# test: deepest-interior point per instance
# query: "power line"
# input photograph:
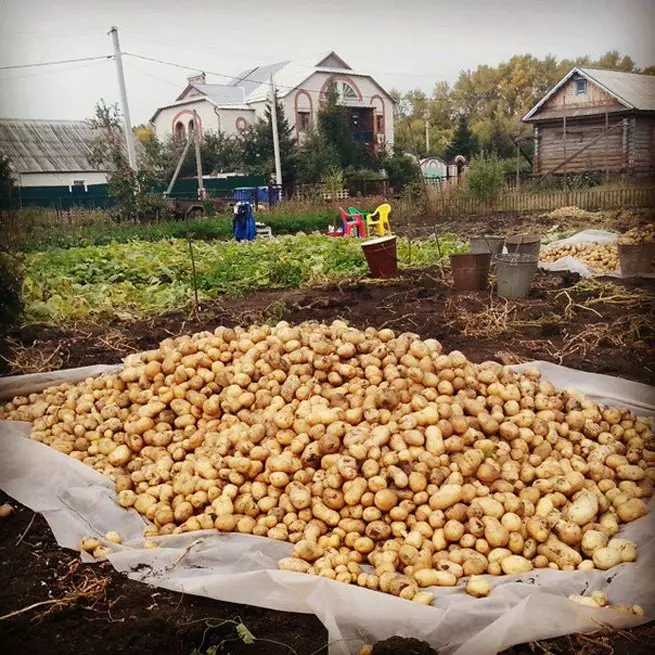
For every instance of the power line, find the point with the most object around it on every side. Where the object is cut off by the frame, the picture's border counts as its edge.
(73, 69)
(154, 77)
(54, 63)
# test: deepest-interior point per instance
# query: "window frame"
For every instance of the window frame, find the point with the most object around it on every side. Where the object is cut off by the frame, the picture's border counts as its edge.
(580, 86)
(303, 115)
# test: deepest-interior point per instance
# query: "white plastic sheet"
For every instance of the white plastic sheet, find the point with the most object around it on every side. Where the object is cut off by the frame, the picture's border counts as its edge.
(77, 501)
(575, 265)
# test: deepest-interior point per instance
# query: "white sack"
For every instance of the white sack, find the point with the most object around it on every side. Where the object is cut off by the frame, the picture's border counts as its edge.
(571, 263)
(78, 501)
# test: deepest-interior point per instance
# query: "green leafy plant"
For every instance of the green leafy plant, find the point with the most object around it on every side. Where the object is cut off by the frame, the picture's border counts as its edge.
(485, 178)
(139, 278)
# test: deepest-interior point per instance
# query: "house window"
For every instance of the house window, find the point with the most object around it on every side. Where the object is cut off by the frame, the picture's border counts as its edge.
(191, 128)
(348, 93)
(303, 120)
(580, 87)
(78, 185)
(180, 131)
(379, 123)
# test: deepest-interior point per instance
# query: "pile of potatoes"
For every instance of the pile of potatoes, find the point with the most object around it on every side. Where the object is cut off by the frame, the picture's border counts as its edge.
(385, 462)
(638, 235)
(601, 257)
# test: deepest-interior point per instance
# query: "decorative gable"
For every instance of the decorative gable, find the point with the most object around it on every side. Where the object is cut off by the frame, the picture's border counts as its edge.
(333, 61)
(579, 92)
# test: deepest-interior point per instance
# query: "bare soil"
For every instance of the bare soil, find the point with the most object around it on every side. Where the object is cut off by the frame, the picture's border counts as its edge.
(605, 328)
(601, 326)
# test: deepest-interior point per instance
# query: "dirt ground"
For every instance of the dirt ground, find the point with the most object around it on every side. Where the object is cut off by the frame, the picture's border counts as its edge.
(600, 326)
(545, 223)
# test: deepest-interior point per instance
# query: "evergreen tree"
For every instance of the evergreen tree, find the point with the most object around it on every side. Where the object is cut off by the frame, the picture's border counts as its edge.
(463, 141)
(257, 146)
(333, 124)
(317, 157)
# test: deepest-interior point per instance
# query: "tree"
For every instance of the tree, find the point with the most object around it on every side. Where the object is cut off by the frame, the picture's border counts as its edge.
(401, 169)
(7, 184)
(333, 124)
(257, 145)
(485, 177)
(317, 158)
(463, 141)
(134, 192)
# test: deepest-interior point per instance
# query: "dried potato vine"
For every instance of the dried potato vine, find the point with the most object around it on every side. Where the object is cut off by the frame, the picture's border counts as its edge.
(359, 448)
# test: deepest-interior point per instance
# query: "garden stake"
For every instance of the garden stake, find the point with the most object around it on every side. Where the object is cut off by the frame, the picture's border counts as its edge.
(193, 269)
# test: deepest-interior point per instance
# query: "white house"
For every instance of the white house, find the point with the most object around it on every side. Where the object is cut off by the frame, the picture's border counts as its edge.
(50, 153)
(301, 86)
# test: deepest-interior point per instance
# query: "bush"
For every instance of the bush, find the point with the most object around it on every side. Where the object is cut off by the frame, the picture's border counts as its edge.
(10, 283)
(485, 178)
(204, 229)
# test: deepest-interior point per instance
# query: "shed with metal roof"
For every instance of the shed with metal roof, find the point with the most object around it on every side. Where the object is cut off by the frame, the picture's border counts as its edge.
(596, 121)
(50, 152)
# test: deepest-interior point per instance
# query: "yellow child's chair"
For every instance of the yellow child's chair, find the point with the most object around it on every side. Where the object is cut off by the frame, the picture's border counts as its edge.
(379, 221)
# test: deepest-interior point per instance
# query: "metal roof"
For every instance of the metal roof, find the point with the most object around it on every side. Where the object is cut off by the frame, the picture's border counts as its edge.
(250, 80)
(633, 90)
(46, 146)
(221, 94)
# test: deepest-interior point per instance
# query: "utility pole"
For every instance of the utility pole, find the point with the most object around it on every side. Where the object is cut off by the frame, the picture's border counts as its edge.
(129, 136)
(196, 142)
(276, 136)
(427, 135)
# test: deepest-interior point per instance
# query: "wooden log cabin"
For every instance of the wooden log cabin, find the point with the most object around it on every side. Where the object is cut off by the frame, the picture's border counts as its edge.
(596, 120)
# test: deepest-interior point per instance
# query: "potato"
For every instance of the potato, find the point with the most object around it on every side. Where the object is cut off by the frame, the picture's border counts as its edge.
(626, 548)
(588, 601)
(432, 578)
(293, 564)
(477, 586)
(592, 540)
(515, 565)
(89, 544)
(606, 558)
(446, 497)
(559, 553)
(583, 509)
(307, 550)
(631, 510)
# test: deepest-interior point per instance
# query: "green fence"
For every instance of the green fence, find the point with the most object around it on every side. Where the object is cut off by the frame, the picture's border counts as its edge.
(96, 196)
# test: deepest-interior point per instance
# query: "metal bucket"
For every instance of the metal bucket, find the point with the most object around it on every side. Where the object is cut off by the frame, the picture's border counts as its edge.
(636, 259)
(514, 274)
(487, 243)
(524, 244)
(381, 256)
(470, 271)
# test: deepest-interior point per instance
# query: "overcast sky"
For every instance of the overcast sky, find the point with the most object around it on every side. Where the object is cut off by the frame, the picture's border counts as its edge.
(403, 43)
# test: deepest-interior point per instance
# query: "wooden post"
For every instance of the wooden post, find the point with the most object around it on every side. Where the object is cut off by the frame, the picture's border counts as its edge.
(518, 174)
(624, 144)
(566, 186)
(607, 148)
(196, 143)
